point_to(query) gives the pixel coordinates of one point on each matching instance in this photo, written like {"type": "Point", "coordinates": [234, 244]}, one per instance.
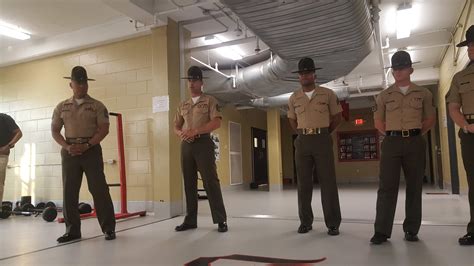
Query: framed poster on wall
{"type": "Point", "coordinates": [354, 146]}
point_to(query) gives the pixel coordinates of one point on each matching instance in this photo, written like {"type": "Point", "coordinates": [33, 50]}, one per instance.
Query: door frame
{"type": "Point", "coordinates": [233, 153]}
{"type": "Point", "coordinates": [252, 136]}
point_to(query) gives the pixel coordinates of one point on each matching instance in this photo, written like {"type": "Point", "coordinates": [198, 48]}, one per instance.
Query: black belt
{"type": "Point", "coordinates": [403, 133]}
{"type": "Point", "coordinates": [313, 131]}
{"type": "Point", "coordinates": [198, 136]}
{"type": "Point", "coordinates": [77, 140]}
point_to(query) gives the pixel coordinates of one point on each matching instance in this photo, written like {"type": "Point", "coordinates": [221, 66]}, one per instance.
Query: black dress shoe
{"type": "Point", "coordinates": [67, 237]}
{"type": "Point", "coordinates": [467, 239]}
{"type": "Point", "coordinates": [378, 238]}
{"type": "Point", "coordinates": [222, 227]}
{"type": "Point", "coordinates": [412, 237]}
{"type": "Point", "coordinates": [333, 231]}
{"type": "Point", "coordinates": [303, 229]}
{"type": "Point", "coordinates": [184, 227]}
{"type": "Point", "coordinates": [110, 235]}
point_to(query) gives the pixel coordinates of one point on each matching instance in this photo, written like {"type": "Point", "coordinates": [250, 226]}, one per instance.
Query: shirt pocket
{"type": "Point", "coordinates": [416, 103]}
{"type": "Point", "coordinates": [202, 110]}
{"type": "Point", "coordinates": [65, 115]}
{"type": "Point", "coordinates": [392, 105]}
{"type": "Point", "coordinates": [321, 107]}
{"type": "Point", "coordinates": [320, 103]}
{"type": "Point", "coordinates": [299, 110]}
{"type": "Point", "coordinates": [466, 85]}
{"type": "Point", "coordinates": [184, 112]}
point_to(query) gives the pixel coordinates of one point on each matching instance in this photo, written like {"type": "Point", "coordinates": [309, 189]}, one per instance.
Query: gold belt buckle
{"type": "Point", "coordinates": [309, 131]}
{"type": "Point", "coordinates": [405, 133]}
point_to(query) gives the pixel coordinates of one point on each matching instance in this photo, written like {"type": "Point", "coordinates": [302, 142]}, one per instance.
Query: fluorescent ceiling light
{"type": "Point", "coordinates": [404, 21]}
{"type": "Point", "coordinates": [232, 52]}
{"type": "Point", "coordinates": [13, 31]}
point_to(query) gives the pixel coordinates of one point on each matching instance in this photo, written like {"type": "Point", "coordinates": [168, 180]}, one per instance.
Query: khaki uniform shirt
{"type": "Point", "coordinates": [315, 112]}
{"type": "Point", "coordinates": [462, 90]}
{"type": "Point", "coordinates": [193, 115]}
{"type": "Point", "coordinates": [403, 112]}
{"type": "Point", "coordinates": [80, 121]}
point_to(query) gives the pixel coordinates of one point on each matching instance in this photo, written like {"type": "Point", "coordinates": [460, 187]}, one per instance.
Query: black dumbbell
{"type": "Point", "coordinates": [50, 204]}
{"type": "Point", "coordinates": [8, 203]}
{"type": "Point", "coordinates": [48, 213]}
{"type": "Point", "coordinates": [41, 205]}
{"type": "Point", "coordinates": [84, 208]}
{"type": "Point", "coordinates": [6, 212]}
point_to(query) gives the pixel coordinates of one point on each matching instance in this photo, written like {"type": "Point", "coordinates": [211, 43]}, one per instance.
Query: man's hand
{"type": "Point", "coordinates": [76, 149]}
{"type": "Point", "coordinates": [470, 128]}
{"type": "Point", "coordinates": [187, 135]}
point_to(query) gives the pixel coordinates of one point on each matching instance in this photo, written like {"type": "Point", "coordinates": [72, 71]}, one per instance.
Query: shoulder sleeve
{"type": "Point", "coordinates": [10, 123]}
{"type": "Point", "coordinates": [178, 118]}
{"type": "Point", "coordinates": [379, 108]}
{"type": "Point", "coordinates": [56, 120]}
{"type": "Point", "coordinates": [214, 108]}
{"type": "Point", "coordinates": [102, 114]}
{"type": "Point", "coordinates": [334, 105]}
{"type": "Point", "coordinates": [428, 106]}
{"type": "Point", "coordinates": [453, 93]}
{"type": "Point", "coordinates": [291, 108]}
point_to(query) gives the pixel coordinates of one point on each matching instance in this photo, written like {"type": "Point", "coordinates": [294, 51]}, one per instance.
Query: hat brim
{"type": "Point", "coordinates": [71, 78]}
{"type": "Point", "coordinates": [416, 62]}
{"type": "Point", "coordinates": [312, 69]}
{"type": "Point", "coordinates": [461, 44]}
{"type": "Point", "coordinates": [193, 78]}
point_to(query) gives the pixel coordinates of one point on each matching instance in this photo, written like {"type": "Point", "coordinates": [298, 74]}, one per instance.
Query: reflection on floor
{"type": "Point", "coordinates": [260, 224]}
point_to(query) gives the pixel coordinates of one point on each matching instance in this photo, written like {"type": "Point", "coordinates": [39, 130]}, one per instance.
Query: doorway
{"type": "Point", "coordinates": [259, 156]}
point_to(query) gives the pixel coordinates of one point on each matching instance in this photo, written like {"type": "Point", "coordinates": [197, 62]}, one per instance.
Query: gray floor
{"type": "Point", "coordinates": [260, 224]}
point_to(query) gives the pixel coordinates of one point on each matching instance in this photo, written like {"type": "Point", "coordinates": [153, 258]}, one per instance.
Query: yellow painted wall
{"type": "Point", "coordinates": [275, 160]}
{"type": "Point", "coordinates": [356, 171]}
{"type": "Point", "coordinates": [287, 149]}
{"type": "Point", "coordinates": [167, 187]}
{"type": "Point", "coordinates": [447, 70]}
{"type": "Point", "coordinates": [247, 119]}
{"type": "Point", "coordinates": [30, 91]}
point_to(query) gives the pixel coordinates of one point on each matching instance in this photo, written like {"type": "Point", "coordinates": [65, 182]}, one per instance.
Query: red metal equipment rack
{"type": "Point", "coordinates": [123, 179]}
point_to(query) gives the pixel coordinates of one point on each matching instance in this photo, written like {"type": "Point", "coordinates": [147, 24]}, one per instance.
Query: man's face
{"type": "Point", "coordinates": [195, 85]}
{"type": "Point", "coordinates": [79, 88]}
{"type": "Point", "coordinates": [470, 50]}
{"type": "Point", "coordinates": [307, 78]}
{"type": "Point", "coordinates": [402, 74]}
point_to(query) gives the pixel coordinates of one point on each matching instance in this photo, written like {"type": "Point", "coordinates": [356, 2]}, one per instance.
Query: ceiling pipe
{"type": "Point", "coordinates": [335, 48]}
{"type": "Point", "coordinates": [378, 40]}
{"type": "Point", "coordinates": [223, 44]}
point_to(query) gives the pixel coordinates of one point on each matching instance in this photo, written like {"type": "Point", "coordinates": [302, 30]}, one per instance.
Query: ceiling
{"type": "Point", "coordinates": [57, 26]}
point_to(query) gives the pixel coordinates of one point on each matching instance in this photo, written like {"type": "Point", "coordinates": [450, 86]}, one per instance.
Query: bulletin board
{"type": "Point", "coordinates": [355, 146]}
